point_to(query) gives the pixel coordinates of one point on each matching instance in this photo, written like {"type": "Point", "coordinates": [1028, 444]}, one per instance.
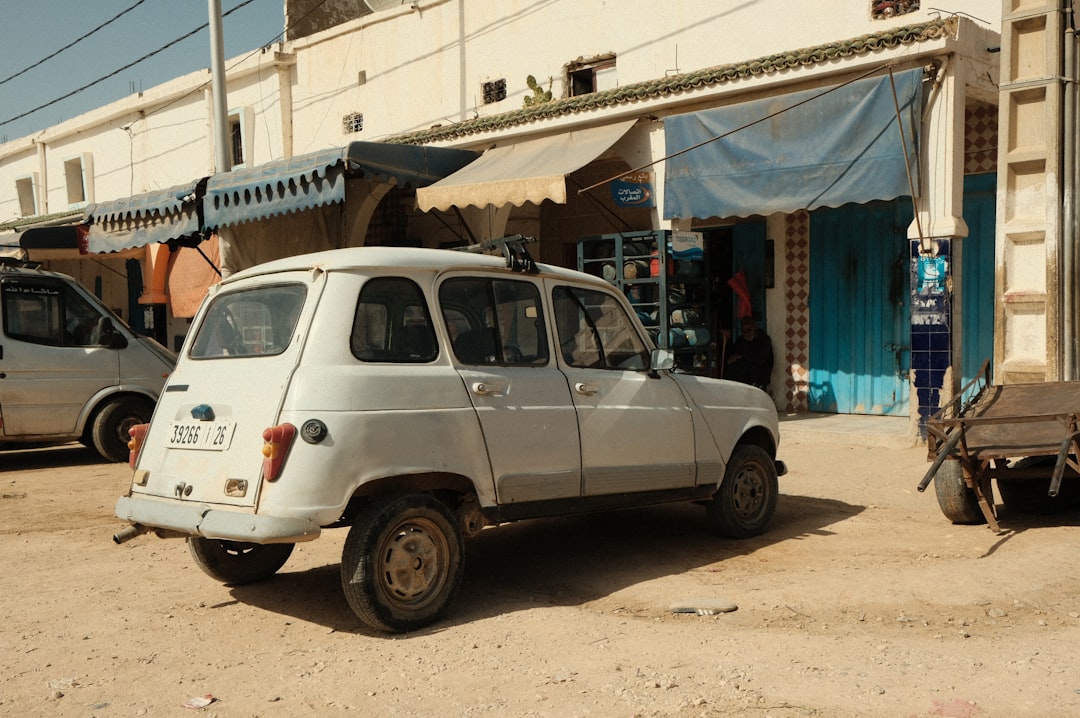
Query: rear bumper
{"type": "Point", "coordinates": [208, 522]}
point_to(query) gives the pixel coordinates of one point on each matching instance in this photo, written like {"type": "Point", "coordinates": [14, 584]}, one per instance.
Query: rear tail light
{"type": "Point", "coordinates": [135, 443]}
{"type": "Point", "coordinates": [277, 440]}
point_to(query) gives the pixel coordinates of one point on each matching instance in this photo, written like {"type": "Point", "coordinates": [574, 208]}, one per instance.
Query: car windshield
{"type": "Point", "coordinates": [256, 322]}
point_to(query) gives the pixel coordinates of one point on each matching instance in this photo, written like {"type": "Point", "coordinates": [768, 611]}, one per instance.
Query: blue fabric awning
{"type": "Point", "coordinates": [298, 183]}
{"type": "Point", "coordinates": [831, 148]}
{"type": "Point", "coordinates": [143, 219]}
{"type": "Point", "coordinates": [410, 166]}
{"type": "Point", "coordinates": [317, 179]}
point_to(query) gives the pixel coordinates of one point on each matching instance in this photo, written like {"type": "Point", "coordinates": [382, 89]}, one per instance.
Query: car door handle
{"type": "Point", "coordinates": [586, 389]}
{"type": "Point", "coordinates": [486, 389]}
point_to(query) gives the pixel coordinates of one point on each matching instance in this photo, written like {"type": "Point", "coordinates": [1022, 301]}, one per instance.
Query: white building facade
{"type": "Point", "coordinates": [861, 211]}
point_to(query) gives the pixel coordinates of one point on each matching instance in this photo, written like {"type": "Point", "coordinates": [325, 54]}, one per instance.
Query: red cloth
{"type": "Point", "coordinates": [742, 291]}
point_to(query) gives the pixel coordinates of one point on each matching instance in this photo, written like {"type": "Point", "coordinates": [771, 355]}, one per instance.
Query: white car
{"type": "Point", "coordinates": [417, 396]}
{"type": "Point", "coordinates": [70, 369]}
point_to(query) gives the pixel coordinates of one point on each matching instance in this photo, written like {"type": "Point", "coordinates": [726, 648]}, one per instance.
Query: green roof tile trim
{"type": "Point", "coordinates": [38, 219]}
{"type": "Point", "coordinates": [674, 84]}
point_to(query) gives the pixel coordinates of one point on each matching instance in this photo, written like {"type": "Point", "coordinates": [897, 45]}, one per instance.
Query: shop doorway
{"type": "Point", "coordinates": [860, 309]}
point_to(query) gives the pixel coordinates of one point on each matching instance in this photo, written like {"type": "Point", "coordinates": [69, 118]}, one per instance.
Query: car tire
{"type": "Point", "coordinates": [955, 498]}
{"type": "Point", "coordinates": [235, 563]}
{"type": "Point", "coordinates": [1030, 496]}
{"type": "Point", "coordinates": [745, 503]}
{"type": "Point", "coordinates": [111, 425]}
{"type": "Point", "coordinates": [402, 562]}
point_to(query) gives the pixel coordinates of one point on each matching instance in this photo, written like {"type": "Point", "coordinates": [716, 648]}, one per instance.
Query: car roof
{"type": "Point", "coordinates": [28, 269]}
{"type": "Point", "coordinates": [356, 258]}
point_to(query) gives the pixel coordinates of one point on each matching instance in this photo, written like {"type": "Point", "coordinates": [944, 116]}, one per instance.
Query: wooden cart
{"type": "Point", "coordinates": [1023, 435]}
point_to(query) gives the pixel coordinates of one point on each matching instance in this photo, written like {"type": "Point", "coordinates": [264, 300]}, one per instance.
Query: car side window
{"type": "Point", "coordinates": [50, 313]}
{"type": "Point", "coordinates": [595, 332]}
{"type": "Point", "coordinates": [392, 323]}
{"type": "Point", "coordinates": [494, 321]}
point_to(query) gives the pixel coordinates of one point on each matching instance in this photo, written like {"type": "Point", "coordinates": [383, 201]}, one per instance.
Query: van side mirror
{"type": "Point", "coordinates": [110, 338]}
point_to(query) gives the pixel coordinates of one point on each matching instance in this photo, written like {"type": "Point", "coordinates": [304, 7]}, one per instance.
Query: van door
{"type": "Point", "coordinates": [51, 361]}
{"type": "Point", "coordinates": [636, 427]}
{"type": "Point", "coordinates": [501, 346]}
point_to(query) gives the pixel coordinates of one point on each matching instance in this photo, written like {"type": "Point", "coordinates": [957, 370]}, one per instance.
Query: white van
{"type": "Point", "coordinates": [69, 368]}
{"type": "Point", "coordinates": [416, 396]}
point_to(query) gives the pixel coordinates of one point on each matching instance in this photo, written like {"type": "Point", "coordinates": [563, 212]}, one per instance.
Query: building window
{"type": "Point", "coordinates": [236, 141]}
{"type": "Point", "coordinates": [24, 187]}
{"type": "Point", "coordinates": [352, 123]}
{"type": "Point", "coordinates": [241, 132]}
{"type": "Point", "coordinates": [79, 179]}
{"type": "Point", "coordinates": [592, 75]}
{"type": "Point", "coordinates": [883, 9]}
{"type": "Point", "coordinates": [494, 91]}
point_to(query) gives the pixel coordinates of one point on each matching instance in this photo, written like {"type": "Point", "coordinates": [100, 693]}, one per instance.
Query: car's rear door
{"type": "Point", "coordinates": [636, 428]}
{"type": "Point", "coordinates": [501, 350]}
{"type": "Point", "coordinates": [206, 440]}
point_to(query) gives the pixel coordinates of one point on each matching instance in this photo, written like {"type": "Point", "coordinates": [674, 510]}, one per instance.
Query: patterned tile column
{"type": "Point", "coordinates": [797, 332]}
{"type": "Point", "coordinates": [931, 325]}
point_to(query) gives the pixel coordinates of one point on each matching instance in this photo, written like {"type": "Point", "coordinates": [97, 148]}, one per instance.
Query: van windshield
{"type": "Point", "coordinates": [255, 322]}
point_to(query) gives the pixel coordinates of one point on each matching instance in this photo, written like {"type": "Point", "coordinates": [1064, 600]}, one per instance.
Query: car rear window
{"type": "Point", "coordinates": [253, 322]}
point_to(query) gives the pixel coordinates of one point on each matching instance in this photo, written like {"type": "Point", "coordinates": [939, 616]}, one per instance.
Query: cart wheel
{"type": "Point", "coordinates": [957, 501]}
{"type": "Point", "coordinates": [1029, 496]}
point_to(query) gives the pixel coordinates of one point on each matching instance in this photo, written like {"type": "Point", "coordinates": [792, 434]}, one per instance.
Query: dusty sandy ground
{"type": "Point", "coordinates": [861, 601]}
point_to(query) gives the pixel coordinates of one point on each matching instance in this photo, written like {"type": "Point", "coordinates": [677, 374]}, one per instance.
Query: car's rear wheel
{"type": "Point", "coordinates": [402, 562]}
{"type": "Point", "coordinates": [746, 500]}
{"type": "Point", "coordinates": [111, 425]}
{"type": "Point", "coordinates": [957, 501]}
{"type": "Point", "coordinates": [235, 562]}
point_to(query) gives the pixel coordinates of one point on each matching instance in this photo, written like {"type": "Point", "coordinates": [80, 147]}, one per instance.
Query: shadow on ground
{"type": "Point", "coordinates": [564, 561]}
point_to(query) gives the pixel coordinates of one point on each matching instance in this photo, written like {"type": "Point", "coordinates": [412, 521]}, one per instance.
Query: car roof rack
{"type": "Point", "coordinates": [19, 263]}
{"type": "Point", "coordinates": [512, 247]}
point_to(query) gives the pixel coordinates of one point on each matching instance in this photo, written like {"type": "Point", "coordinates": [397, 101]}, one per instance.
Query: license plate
{"type": "Point", "coordinates": [203, 435]}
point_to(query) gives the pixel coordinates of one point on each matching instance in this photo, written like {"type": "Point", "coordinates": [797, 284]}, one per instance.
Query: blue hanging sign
{"type": "Point", "coordinates": [634, 190]}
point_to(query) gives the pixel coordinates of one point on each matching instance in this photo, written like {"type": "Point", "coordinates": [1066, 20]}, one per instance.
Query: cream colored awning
{"type": "Point", "coordinates": [529, 171]}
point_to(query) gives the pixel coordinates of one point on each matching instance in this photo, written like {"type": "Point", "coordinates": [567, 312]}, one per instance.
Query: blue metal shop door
{"type": "Point", "coordinates": [977, 273]}
{"type": "Point", "coordinates": [860, 301]}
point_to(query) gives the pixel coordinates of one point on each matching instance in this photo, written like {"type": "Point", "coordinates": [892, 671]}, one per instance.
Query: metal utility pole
{"type": "Point", "coordinates": [217, 70]}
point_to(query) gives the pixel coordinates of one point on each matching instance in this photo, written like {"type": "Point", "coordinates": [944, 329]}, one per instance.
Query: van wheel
{"type": "Point", "coordinates": [957, 501]}
{"type": "Point", "coordinates": [746, 499]}
{"type": "Point", "coordinates": [111, 425]}
{"type": "Point", "coordinates": [402, 562]}
{"type": "Point", "coordinates": [236, 563]}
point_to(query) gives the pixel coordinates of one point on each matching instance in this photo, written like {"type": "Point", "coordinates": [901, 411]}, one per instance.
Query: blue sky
{"type": "Point", "coordinates": [31, 30]}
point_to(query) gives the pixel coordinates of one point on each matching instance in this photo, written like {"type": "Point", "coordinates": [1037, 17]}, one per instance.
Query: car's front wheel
{"type": "Point", "coordinates": [235, 562]}
{"type": "Point", "coordinates": [745, 503]}
{"type": "Point", "coordinates": [402, 562]}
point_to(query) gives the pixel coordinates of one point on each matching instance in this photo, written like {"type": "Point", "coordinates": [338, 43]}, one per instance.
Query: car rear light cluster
{"type": "Point", "coordinates": [135, 443]}
{"type": "Point", "coordinates": [277, 441]}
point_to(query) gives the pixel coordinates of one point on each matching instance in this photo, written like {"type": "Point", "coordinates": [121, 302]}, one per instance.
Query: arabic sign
{"type": "Point", "coordinates": [634, 190]}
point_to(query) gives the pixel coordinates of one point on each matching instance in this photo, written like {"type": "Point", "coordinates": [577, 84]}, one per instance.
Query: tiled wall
{"type": "Point", "coordinates": [931, 324]}
{"type": "Point", "coordinates": [797, 331]}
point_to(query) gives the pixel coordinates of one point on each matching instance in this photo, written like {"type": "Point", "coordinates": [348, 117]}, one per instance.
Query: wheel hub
{"type": "Point", "coordinates": [411, 559]}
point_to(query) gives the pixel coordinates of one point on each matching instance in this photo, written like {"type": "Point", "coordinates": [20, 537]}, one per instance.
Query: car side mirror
{"type": "Point", "coordinates": [110, 337]}
{"type": "Point", "coordinates": [662, 360]}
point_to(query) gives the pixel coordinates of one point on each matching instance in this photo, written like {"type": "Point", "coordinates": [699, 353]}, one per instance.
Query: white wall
{"type": "Point", "coordinates": [424, 64]}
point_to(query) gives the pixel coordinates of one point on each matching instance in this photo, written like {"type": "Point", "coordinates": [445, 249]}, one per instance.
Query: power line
{"type": "Point", "coordinates": [119, 70]}
{"type": "Point", "coordinates": [71, 44]}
